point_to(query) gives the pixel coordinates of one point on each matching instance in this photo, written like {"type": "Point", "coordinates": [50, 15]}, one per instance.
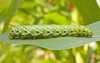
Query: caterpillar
{"type": "Point", "coordinates": [49, 31]}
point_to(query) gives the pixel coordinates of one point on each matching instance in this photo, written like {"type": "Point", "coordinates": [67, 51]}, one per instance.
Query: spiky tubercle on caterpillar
{"type": "Point", "coordinates": [49, 31]}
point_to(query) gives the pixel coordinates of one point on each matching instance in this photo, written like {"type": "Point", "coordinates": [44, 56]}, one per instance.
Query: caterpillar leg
{"type": "Point", "coordinates": [11, 36]}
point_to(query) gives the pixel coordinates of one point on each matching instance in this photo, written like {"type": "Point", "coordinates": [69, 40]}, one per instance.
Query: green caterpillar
{"type": "Point", "coordinates": [49, 31]}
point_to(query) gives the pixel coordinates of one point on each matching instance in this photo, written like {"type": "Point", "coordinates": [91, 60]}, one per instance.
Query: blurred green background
{"type": "Point", "coordinates": [30, 12]}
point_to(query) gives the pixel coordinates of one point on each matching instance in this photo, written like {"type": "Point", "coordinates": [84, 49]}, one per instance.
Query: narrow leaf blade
{"type": "Point", "coordinates": [57, 43]}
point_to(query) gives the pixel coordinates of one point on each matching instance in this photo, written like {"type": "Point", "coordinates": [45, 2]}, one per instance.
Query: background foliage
{"type": "Point", "coordinates": [21, 12]}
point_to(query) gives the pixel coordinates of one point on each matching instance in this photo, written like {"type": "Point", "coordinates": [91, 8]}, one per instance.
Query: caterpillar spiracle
{"type": "Point", "coordinates": [49, 31]}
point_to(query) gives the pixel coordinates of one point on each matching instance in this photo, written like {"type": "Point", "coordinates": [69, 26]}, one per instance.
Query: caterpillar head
{"type": "Point", "coordinates": [14, 33]}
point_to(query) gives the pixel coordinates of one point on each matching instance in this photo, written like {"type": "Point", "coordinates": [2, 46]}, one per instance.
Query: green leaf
{"type": "Point", "coordinates": [4, 4]}
{"type": "Point", "coordinates": [88, 9]}
{"type": "Point", "coordinates": [55, 17]}
{"type": "Point", "coordinates": [10, 12]}
{"type": "Point", "coordinates": [58, 43]}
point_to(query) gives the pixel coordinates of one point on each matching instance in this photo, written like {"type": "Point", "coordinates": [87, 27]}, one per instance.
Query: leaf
{"type": "Point", "coordinates": [10, 13]}
{"type": "Point", "coordinates": [4, 4]}
{"type": "Point", "coordinates": [58, 43]}
{"type": "Point", "coordinates": [88, 9]}
{"type": "Point", "coordinates": [55, 17]}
